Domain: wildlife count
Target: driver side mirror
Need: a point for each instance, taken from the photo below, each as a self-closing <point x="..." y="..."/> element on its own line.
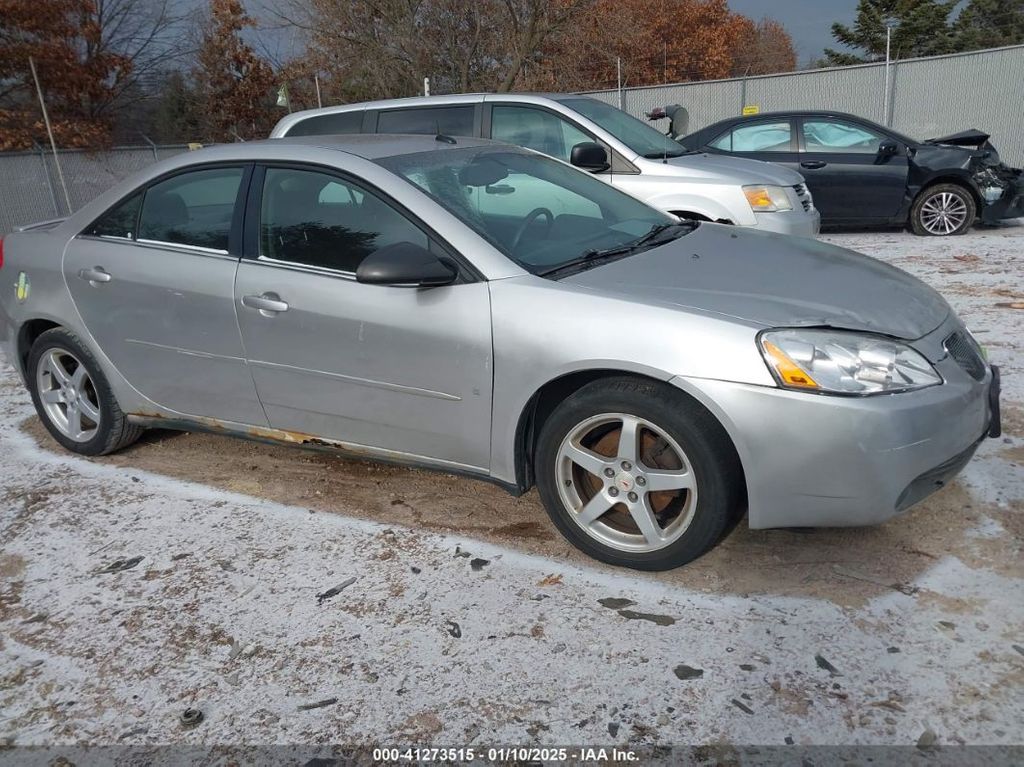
<point x="888" y="148"/>
<point x="406" y="264"/>
<point x="590" y="156"/>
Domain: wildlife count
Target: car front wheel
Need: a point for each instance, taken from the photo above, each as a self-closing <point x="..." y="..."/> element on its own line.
<point x="637" y="474"/>
<point x="943" y="210"/>
<point x="73" y="398"/>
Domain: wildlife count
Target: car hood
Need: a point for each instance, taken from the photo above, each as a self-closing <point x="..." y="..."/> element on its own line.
<point x="969" y="138"/>
<point x="775" y="281"/>
<point x="738" y="170"/>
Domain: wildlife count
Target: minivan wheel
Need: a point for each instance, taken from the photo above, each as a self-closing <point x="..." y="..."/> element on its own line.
<point x="943" y="210"/>
<point x="637" y="474"/>
<point x="72" y="396"/>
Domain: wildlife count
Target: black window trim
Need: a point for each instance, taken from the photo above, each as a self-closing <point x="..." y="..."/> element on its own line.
<point x="234" y="231"/>
<point x="253" y="209"/>
<point x="876" y="129"/>
<point x="795" y="141"/>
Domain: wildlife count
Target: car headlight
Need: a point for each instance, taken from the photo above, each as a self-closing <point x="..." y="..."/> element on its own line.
<point x="767" y="199"/>
<point x="844" y="362"/>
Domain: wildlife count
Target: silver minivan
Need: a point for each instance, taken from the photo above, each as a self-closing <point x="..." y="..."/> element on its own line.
<point x="640" y="160"/>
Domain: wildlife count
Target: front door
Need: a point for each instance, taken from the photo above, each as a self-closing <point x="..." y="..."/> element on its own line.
<point x="770" y="140"/>
<point x="153" y="281"/>
<point x="851" y="180"/>
<point x="396" y="369"/>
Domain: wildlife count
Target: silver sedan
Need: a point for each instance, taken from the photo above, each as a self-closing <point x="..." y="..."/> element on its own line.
<point x="483" y="309"/>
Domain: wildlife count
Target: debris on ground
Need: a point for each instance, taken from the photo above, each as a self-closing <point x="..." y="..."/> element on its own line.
<point x="333" y="592"/>
<point x="120" y="565"/>
<point x="684" y="672"/>
<point x="318" y="704"/>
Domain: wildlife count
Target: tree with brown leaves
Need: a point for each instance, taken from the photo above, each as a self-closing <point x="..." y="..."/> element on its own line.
<point x="235" y="85"/>
<point x="763" y="48"/>
<point x="79" y="76"/>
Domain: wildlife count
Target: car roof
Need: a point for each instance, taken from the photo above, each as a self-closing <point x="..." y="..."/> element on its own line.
<point x="289" y="121"/>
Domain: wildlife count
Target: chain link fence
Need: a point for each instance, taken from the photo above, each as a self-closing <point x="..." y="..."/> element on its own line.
<point x="30" y="187"/>
<point x="927" y="97"/>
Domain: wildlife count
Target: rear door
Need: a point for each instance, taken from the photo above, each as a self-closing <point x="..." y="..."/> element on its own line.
<point x="850" y="179"/>
<point x="770" y="140"/>
<point x="397" y="369"/>
<point x="153" y="281"/>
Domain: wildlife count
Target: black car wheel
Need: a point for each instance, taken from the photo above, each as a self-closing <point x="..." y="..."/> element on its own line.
<point x="942" y="210"/>
<point x="637" y="474"/>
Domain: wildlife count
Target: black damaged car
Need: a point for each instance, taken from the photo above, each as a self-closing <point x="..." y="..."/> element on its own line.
<point x="862" y="174"/>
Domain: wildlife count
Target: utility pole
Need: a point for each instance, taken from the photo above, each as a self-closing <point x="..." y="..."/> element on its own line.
<point x="889" y="24"/>
<point x="618" y="70"/>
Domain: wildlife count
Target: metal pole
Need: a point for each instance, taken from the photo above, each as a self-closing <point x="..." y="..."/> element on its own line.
<point x="426" y="86"/>
<point x="152" y="146"/>
<point x="316" y="82"/>
<point x="885" y="92"/>
<point x="618" y="69"/>
<point x="49" y="181"/>
<point x="49" y="130"/>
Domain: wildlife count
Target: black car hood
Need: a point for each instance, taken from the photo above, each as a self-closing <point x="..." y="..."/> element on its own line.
<point x="775" y="281"/>
<point x="969" y="138"/>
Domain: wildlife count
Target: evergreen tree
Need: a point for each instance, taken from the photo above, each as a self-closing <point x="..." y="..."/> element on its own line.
<point x="989" y="24"/>
<point x="921" y="28"/>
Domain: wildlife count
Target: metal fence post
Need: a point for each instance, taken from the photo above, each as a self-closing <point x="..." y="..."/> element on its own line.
<point x="156" y="157"/>
<point x="49" y="181"/>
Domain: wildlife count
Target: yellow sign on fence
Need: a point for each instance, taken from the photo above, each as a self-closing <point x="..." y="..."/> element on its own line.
<point x="753" y="109"/>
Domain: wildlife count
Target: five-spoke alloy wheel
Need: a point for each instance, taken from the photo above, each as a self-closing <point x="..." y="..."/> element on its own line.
<point x="73" y="398"/>
<point x="636" y="473"/>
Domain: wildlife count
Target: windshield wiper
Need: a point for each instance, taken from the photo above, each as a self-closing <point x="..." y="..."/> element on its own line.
<point x="591" y="258"/>
<point x="665" y="155"/>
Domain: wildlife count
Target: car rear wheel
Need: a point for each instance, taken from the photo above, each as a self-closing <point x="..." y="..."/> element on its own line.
<point x="73" y="398"/>
<point x="637" y="474"/>
<point x="943" y="210"/>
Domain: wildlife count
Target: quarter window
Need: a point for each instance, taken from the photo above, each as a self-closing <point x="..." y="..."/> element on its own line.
<point x="536" y="129"/>
<point x="325" y="125"/>
<point x="193" y="208"/>
<point x="321" y="220"/>
<point x="835" y="136"/>
<point x="120" y="221"/>
<point x="451" y="121"/>
<point x="760" y="137"/>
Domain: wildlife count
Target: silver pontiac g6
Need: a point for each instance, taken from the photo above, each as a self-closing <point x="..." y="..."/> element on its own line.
<point x="486" y="310"/>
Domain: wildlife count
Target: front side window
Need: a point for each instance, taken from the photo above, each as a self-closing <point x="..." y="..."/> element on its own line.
<point x="638" y="136"/>
<point x="539" y="212"/>
<point x="120" y="221"/>
<point x="536" y="129"/>
<point x="450" y="121"/>
<point x="321" y="220"/>
<point x="760" y="137"/>
<point x="193" y="208"/>
<point x="836" y="136"/>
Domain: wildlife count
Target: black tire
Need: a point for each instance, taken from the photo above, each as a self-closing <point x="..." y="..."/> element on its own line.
<point x="919" y="222"/>
<point x="715" y="465"/>
<point x="113" y="431"/>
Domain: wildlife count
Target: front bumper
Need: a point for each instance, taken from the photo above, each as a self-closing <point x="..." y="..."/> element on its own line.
<point x="1009" y="205"/>
<point x="826" y="461"/>
<point x="796" y="222"/>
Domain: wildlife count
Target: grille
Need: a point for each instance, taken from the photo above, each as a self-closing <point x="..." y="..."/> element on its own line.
<point x="804" y="195"/>
<point x="967" y="353"/>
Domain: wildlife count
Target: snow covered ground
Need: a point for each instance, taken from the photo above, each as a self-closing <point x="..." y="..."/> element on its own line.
<point x="448" y="629"/>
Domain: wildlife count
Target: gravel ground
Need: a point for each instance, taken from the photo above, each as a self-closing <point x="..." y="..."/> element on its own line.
<point x="256" y="582"/>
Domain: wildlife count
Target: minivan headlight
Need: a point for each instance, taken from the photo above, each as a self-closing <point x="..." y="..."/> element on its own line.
<point x="844" y="362"/>
<point x="767" y="199"/>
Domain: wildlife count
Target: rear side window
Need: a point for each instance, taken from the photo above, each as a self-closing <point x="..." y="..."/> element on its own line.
<point x="193" y="208"/>
<point x="119" y="221"/>
<point x="836" y="136"/>
<point x="329" y="124"/>
<point x="451" y="121"/>
<point x="321" y="220"/>
<point x="760" y="137"/>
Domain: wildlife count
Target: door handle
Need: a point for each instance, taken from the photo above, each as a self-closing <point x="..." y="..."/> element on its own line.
<point x="267" y="304"/>
<point x="95" y="275"/>
<point x="813" y="164"/>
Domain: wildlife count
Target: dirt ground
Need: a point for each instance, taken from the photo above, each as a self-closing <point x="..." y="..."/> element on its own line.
<point x="924" y="616"/>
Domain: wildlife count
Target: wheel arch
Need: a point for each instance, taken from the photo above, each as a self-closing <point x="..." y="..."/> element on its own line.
<point x="543" y="402"/>
<point x="28" y="332"/>
<point x="962" y="180"/>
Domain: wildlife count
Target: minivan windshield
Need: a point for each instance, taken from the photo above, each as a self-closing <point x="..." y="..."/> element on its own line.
<point x="541" y="213"/>
<point x="638" y="136"/>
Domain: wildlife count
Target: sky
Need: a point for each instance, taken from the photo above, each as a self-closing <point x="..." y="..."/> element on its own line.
<point x="809" y="22"/>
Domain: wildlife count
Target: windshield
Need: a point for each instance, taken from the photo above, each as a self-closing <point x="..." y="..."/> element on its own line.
<point x="638" y="136"/>
<point x="539" y="212"/>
